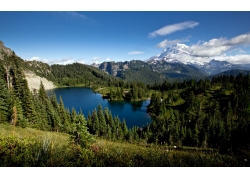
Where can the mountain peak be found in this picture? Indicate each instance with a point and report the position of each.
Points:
(171, 54)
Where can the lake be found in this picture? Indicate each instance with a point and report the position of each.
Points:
(134, 113)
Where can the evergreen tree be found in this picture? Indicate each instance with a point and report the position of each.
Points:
(109, 133)
(73, 117)
(42, 93)
(4, 102)
(95, 123)
(42, 121)
(102, 121)
(64, 116)
(90, 123)
(125, 130)
(53, 118)
(82, 136)
(21, 120)
(28, 104)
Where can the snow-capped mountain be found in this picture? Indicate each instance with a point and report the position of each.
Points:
(215, 67)
(170, 54)
(180, 54)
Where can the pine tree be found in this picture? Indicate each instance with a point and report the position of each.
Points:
(21, 120)
(102, 122)
(4, 102)
(54, 102)
(108, 117)
(90, 123)
(42, 93)
(28, 104)
(125, 130)
(53, 118)
(42, 121)
(73, 117)
(64, 116)
(95, 122)
(82, 136)
(135, 92)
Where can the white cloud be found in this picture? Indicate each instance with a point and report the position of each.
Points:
(108, 59)
(237, 59)
(62, 61)
(95, 59)
(35, 59)
(135, 52)
(212, 49)
(165, 43)
(216, 47)
(173, 28)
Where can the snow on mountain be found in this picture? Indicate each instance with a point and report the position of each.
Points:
(175, 54)
(180, 53)
(171, 54)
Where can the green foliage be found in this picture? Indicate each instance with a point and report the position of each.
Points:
(133, 71)
(4, 102)
(81, 74)
(82, 136)
(202, 113)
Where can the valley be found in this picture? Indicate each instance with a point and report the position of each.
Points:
(191, 112)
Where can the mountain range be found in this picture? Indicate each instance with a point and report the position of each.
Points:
(175, 62)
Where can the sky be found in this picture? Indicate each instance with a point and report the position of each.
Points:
(97, 30)
(64, 37)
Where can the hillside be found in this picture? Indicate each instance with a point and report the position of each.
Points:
(233, 72)
(150, 72)
(176, 70)
(55, 75)
(33, 148)
(34, 76)
(81, 74)
(195, 122)
(132, 71)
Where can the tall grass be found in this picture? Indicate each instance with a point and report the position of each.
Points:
(29, 147)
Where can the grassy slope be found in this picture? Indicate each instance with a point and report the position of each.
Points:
(30, 147)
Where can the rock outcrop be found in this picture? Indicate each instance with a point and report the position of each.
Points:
(34, 81)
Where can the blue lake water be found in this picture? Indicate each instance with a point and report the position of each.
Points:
(134, 113)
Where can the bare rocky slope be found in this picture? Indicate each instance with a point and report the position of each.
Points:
(32, 79)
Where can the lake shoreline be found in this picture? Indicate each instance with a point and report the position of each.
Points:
(86, 100)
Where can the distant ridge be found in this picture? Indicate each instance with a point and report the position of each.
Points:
(179, 54)
(233, 72)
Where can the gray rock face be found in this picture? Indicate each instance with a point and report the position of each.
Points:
(111, 68)
(32, 79)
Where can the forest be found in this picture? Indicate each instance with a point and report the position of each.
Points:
(206, 117)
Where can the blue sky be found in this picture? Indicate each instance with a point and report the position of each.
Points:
(95, 36)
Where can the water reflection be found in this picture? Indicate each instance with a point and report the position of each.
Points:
(136, 106)
(118, 105)
(135, 113)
